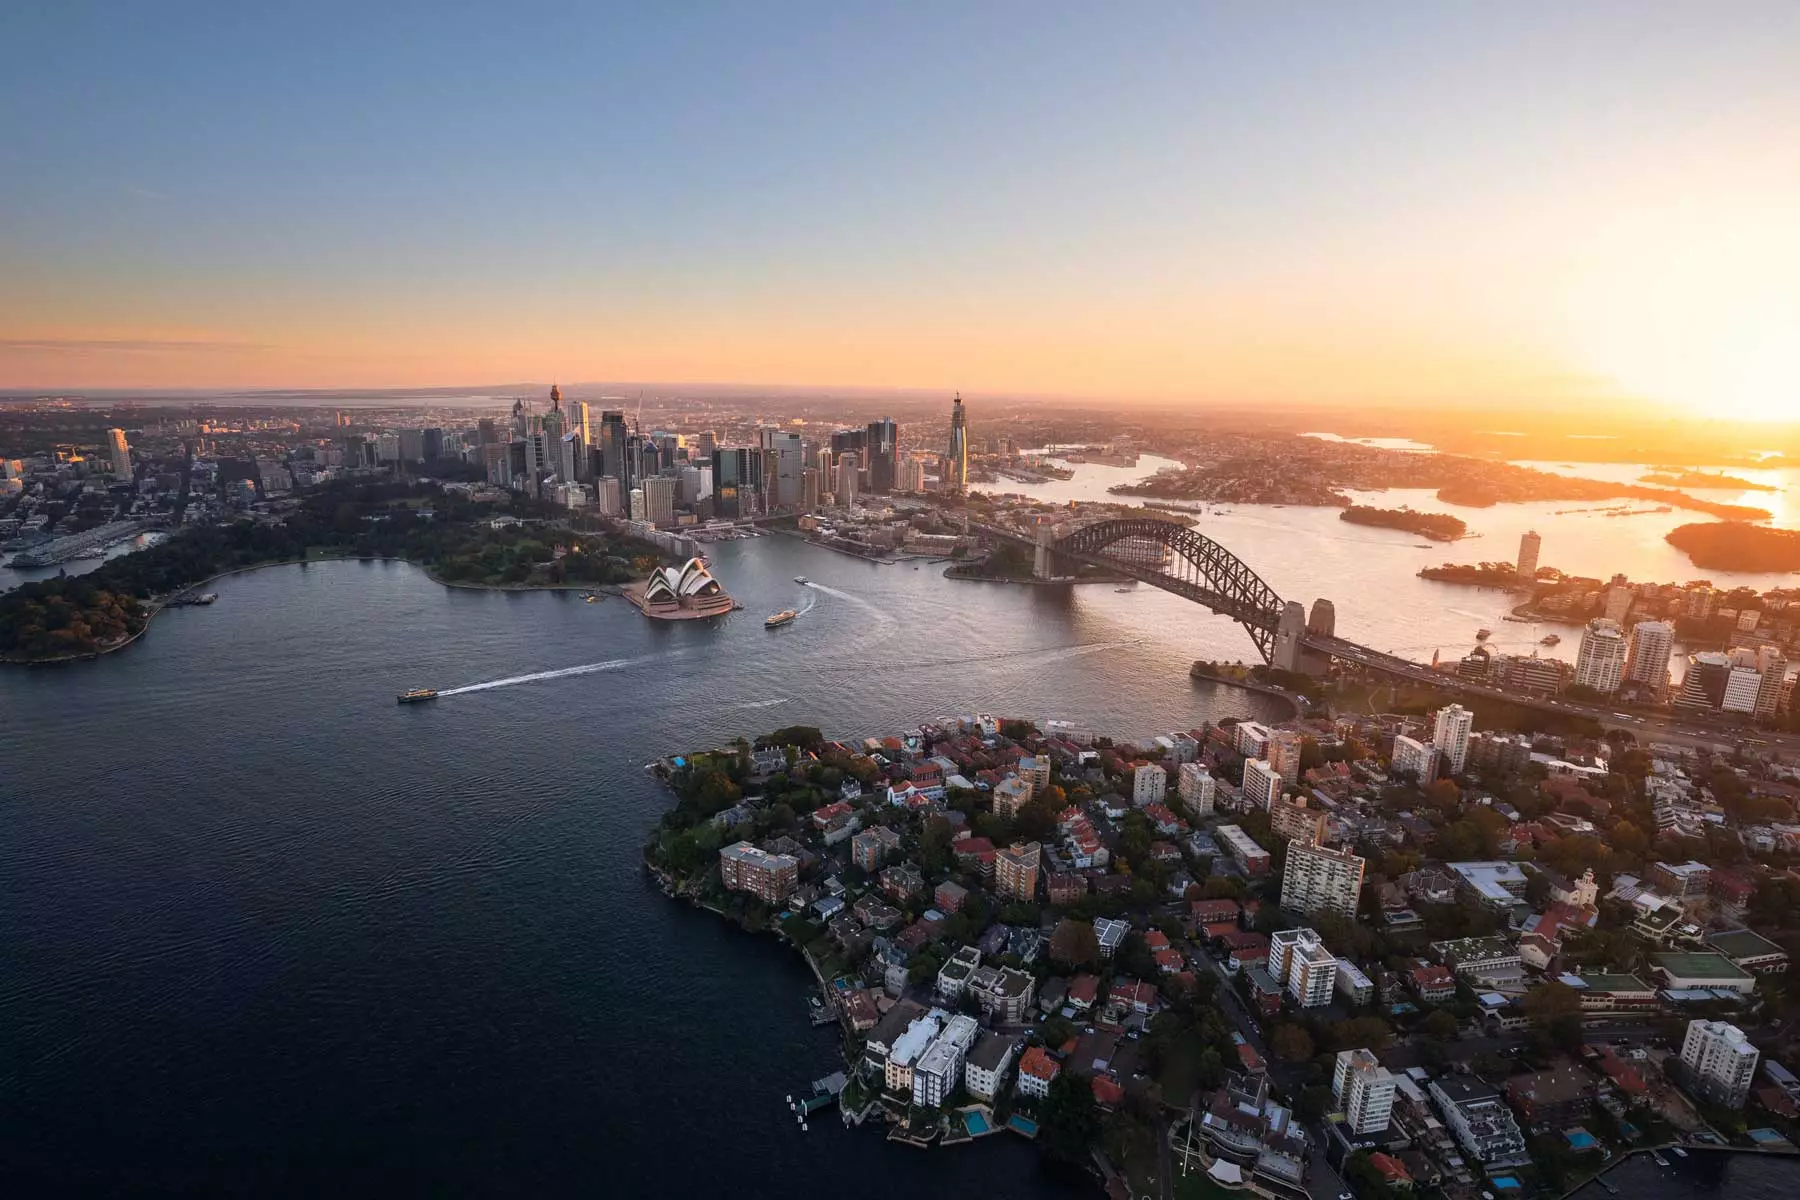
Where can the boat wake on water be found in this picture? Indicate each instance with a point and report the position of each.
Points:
(560, 673)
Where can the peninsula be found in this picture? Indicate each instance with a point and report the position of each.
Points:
(1050, 933)
(506, 543)
(1736, 546)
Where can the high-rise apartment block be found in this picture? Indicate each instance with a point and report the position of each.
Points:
(1647, 661)
(1284, 754)
(1196, 787)
(1413, 757)
(1261, 784)
(1149, 784)
(1300, 962)
(1364, 1090)
(1600, 663)
(1320, 879)
(1722, 1060)
(120, 451)
(1529, 545)
(1016, 871)
(1450, 736)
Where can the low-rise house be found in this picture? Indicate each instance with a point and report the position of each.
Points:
(874, 912)
(887, 1031)
(1209, 912)
(950, 896)
(1083, 991)
(1037, 1071)
(1133, 995)
(1433, 984)
(1109, 933)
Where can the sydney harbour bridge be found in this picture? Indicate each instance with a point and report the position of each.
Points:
(1179, 559)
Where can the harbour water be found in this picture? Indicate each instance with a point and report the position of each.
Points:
(1699, 1176)
(268, 932)
(264, 930)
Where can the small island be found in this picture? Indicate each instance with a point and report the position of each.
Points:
(1439, 527)
(1736, 546)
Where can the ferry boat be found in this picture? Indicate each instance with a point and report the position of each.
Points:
(779, 619)
(1482, 635)
(801, 579)
(416, 695)
(1549, 639)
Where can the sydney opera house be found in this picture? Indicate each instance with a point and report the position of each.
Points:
(681, 593)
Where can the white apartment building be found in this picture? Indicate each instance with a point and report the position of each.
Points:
(1196, 787)
(1262, 784)
(1415, 757)
(1149, 784)
(1600, 663)
(939, 1071)
(1364, 1090)
(1299, 961)
(1318, 879)
(986, 1065)
(1252, 739)
(909, 1047)
(1742, 686)
(1722, 1060)
(1450, 736)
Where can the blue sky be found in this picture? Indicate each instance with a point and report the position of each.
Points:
(1176, 199)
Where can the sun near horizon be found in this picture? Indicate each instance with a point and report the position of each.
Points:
(1409, 204)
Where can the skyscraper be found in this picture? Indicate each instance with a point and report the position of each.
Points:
(956, 462)
(1450, 737)
(612, 448)
(659, 501)
(1600, 663)
(784, 457)
(848, 470)
(1529, 545)
(1647, 663)
(882, 448)
(121, 453)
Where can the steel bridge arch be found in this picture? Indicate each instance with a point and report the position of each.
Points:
(1203, 571)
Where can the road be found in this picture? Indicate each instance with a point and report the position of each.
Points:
(1402, 1055)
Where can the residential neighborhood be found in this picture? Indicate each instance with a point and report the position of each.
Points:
(1275, 959)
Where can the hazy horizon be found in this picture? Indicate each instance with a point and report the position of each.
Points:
(1401, 205)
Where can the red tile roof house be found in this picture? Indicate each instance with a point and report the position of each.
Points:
(1139, 997)
(1208, 912)
(1083, 991)
(1107, 1092)
(1434, 984)
(1392, 1171)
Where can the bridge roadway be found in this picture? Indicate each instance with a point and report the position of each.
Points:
(1264, 622)
(1646, 727)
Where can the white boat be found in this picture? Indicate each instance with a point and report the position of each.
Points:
(801, 579)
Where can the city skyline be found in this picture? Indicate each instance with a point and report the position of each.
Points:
(1414, 205)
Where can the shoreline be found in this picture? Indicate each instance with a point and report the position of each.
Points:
(154, 608)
